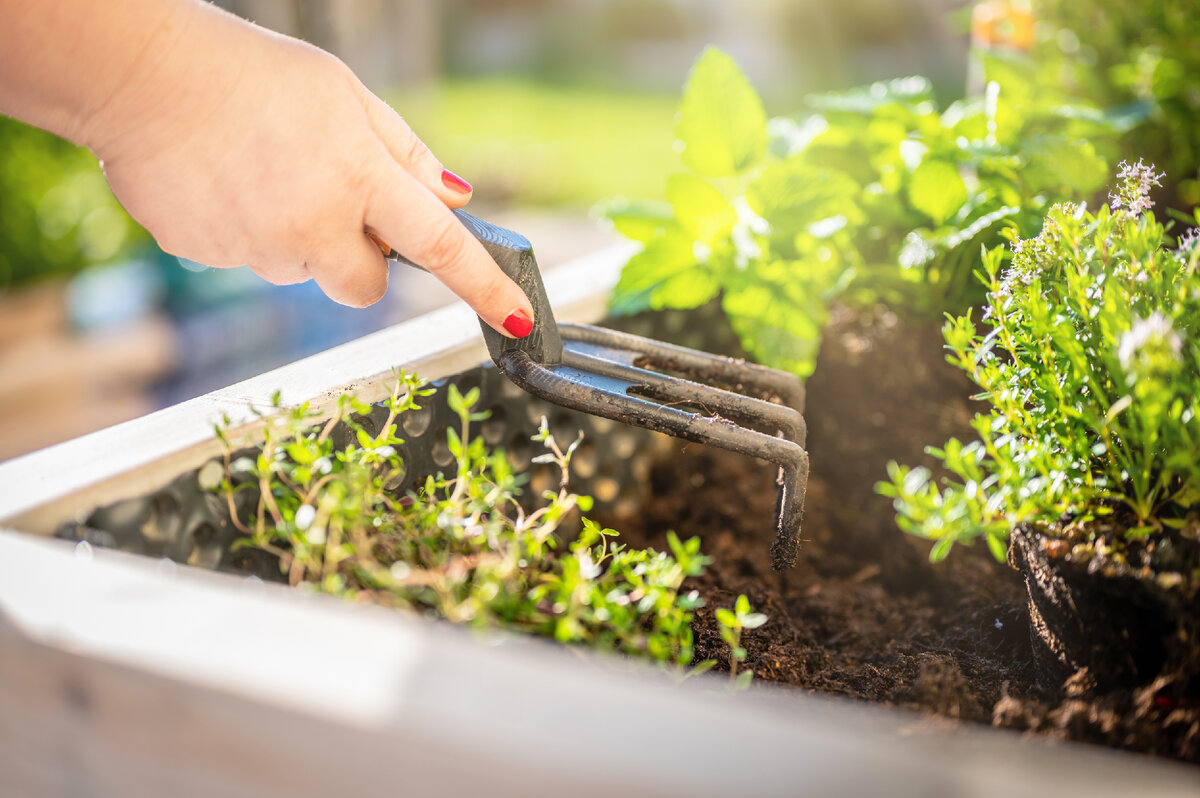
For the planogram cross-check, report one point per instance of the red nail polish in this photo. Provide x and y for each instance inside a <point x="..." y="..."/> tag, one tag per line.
<point x="455" y="183"/>
<point x="518" y="323"/>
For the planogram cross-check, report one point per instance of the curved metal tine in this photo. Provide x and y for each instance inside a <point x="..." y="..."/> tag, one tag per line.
<point x="559" y="388"/>
<point x="762" y="381"/>
<point x="714" y="401"/>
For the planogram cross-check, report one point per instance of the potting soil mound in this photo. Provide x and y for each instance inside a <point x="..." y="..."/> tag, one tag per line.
<point x="865" y="614"/>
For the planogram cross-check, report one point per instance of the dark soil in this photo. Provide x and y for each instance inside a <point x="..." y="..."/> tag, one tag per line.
<point x="864" y="614"/>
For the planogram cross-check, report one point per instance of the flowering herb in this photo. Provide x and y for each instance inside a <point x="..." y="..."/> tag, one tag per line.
<point x="1088" y="360"/>
<point x="1133" y="189"/>
<point x="461" y="547"/>
<point x="873" y="194"/>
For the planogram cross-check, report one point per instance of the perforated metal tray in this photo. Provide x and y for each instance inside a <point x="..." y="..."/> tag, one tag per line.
<point x="187" y="523"/>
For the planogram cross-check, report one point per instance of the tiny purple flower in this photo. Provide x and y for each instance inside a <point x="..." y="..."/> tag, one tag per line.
<point x="1133" y="190"/>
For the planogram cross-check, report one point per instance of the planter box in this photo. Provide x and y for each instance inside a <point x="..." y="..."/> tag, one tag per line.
<point x="129" y="675"/>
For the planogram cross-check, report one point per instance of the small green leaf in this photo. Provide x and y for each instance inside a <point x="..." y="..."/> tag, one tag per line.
<point x="753" y="620"/>
<point x="941" y="548"/>
<point x="998" y="546"/>
<point x="455" y="401"/>
<point x="721" y="122"/>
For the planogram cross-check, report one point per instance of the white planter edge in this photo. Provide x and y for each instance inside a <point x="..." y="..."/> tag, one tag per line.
<point x="120" y="675"/>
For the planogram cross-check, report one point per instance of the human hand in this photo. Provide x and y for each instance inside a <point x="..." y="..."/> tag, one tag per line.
<point x="246" y="147"/>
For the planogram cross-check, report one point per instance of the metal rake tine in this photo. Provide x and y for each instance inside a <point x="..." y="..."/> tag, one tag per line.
<point x="715" y="401"/>
<point x="750" y="378"/>
<point x="558" y="386"/>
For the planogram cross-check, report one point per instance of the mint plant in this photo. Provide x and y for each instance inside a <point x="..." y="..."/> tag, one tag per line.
<point x="461" y="547"/>
<point x="1088" y="359"/>
<point x="873" y="194"/>
<point x="731" y="624"/>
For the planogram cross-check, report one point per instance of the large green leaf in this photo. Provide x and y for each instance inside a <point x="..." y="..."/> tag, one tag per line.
<point x="688" y="289"/>
<point x="779" y="309"/>
<point x="909" y="91"/>
<point x="793" y="194"/>
<point x="642" y="221"/>
<point x="1068" y="168"/>
<point x="937" y="190"/>
<point x="664" y="258"/>
<point x="721" y="122"/>
<point x="700" y="208"/>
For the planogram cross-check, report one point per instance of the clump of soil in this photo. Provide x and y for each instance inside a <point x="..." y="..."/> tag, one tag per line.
<point x="864" y="614"/>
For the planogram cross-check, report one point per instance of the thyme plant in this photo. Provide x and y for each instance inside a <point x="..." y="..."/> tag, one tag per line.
<point x="461" y="547"/>
<point x="1088" y="356"/>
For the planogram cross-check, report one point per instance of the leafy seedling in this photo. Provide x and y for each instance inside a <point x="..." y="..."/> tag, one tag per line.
<point x="731" y="624"/>
<point x="460" y="547"/>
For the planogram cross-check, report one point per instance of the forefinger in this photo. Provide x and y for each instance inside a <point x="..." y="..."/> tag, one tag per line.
<point x="418" y="225"/>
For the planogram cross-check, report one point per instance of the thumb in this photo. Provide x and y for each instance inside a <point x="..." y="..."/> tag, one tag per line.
<point x="402" y="212"/>
<point x="411" y="153"/>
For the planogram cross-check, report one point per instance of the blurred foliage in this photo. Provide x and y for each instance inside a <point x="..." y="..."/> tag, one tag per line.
<point x="535" y="144"/>
<point x="57" y="214"/>
<point x="873" y="193"/>
<point x="516" y="141"/>
<point x="1121" y="52"/>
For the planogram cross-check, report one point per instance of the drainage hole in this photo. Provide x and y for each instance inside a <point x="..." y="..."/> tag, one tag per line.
<point x="416" y="422"/>
<point x="545" y="478"/>
<point x="606" y="489"/>
<point x="440" y="451"/>
<point x="397" y="479"/>
<point x="520" y="450"/>
<point x="494" y="426"/>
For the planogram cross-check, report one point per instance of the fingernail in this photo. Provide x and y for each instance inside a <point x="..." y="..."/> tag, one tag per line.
<point x="379" y="242"/>
<point x="455" y="183"/>
<point x="518" y="323"/>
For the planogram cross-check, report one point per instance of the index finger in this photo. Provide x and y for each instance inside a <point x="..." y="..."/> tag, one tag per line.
<point x="404" y="213"/>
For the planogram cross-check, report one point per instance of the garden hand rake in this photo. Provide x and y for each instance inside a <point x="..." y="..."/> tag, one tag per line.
<point x="756" y="410"/>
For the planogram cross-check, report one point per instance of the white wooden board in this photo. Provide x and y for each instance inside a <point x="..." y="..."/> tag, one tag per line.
<point x="123" y="676"/>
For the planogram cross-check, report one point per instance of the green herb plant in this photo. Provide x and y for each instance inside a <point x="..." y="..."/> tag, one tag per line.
<point x="1088" y="356"/>
<point x="873" y="194"/>
<point x="461" y="547"/>
<point x="731" y="624"/>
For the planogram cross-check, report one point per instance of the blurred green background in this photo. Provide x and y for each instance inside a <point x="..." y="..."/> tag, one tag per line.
<point x="548" y="107"/>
